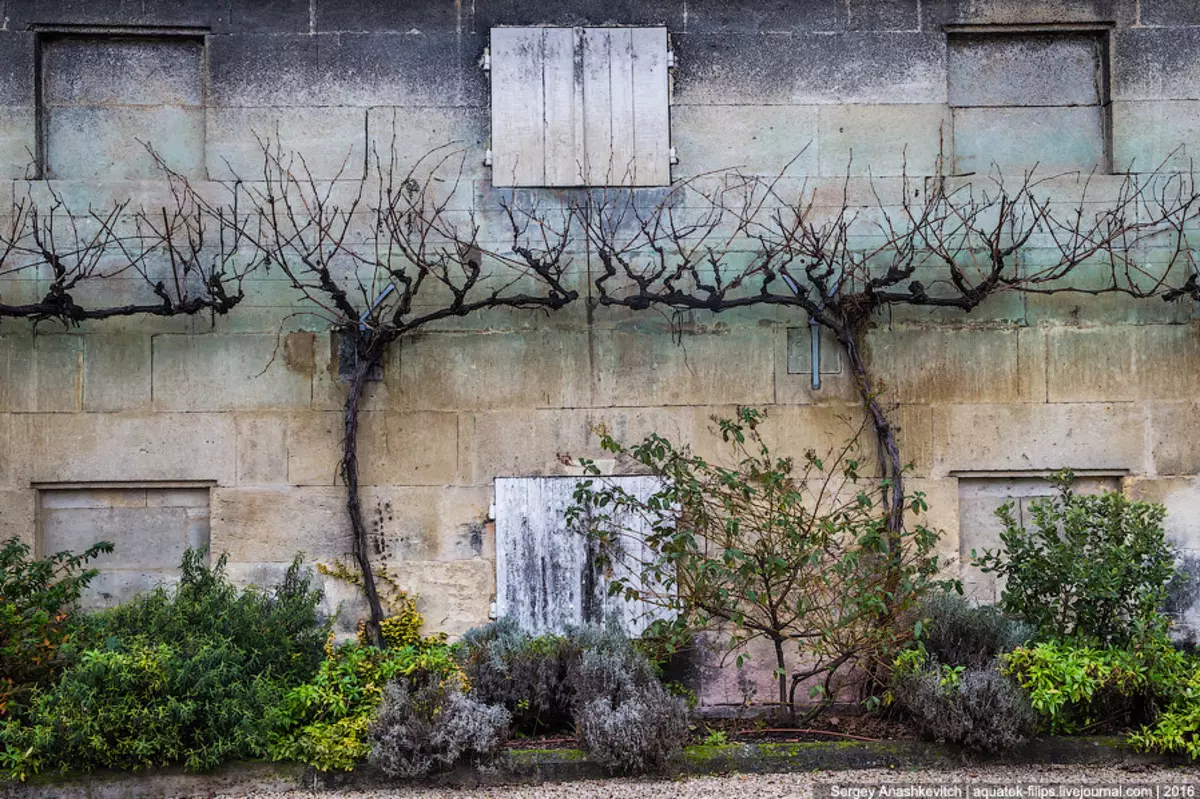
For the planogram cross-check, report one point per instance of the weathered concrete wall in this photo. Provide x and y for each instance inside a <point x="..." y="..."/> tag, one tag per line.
<point x="251" y="402"/>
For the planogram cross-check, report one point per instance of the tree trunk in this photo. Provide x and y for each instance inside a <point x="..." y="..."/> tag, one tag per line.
<point x="782" y="674"/>
<point x="367" y="361"/>
<point x="891" y="467"/>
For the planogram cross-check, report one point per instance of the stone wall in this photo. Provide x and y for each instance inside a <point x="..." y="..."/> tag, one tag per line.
<point x="251" y="404"/>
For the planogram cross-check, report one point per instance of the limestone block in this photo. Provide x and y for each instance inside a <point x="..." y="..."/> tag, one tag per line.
<point x="517" y="443"/>
<point x="793" y="374"/>
<point x="17" y="61"/>
<point x="56" y="381"/>
<point x="408" y="68"/>
<point x="428" y="136"/>
<point x="412" y="448"/>
<point x="116" y="587"/>
<point x="1174" y="431"/>
<point x="18" y="142"/>
<point x="1032" y="359"/>
<point x="810" y="68"/>
<point x="1181" y="496"/>
<point x="228" y="372"/>
<point x="1155" y="134"/>
<point x="1122" y="363"/>
<point x="1017" y="12"/>
<point x="723" y="367"/>
<point x="1156" y="63"/>
<point x="273" y="524"/>
<point x="101" y="71"/>
<point x="445" y="371"/>
<point x="756" y="139"/>
<point x="1060" y="139"/>
<point x="1170" y="12"/>
<point x="715" y="16"/>
<point x="145" y="539"/>
<point x="1038" y="436"/>
<point x="262" y="453"/>
<point x="97" y="143"/>
<point x="454" y="596"/>
<point x="883" y="140"/>
<point x="1032" y="70"/>
<point x="942" y="517"/>
<point x="128" y="447"/>
<point x="885" y="15"/>
<point x="330" y="139"/>
<point x="12" y="464"/>
<point x="941" y="366"/>
<point x="432" y="523"/>
<point x="116" y="372"/>
<point x="17" y="509"/>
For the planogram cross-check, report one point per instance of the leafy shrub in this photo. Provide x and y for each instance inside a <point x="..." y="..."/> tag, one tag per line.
<point x="148" y="705"/>
<point x="1093" y="567"/>
<point x="758" y="546"/>
<point x="976" y="707"/>
<point x="1177" y="729"/>
<point x="190" y="676"/>
<point x="591" y="678"/>
<point x="427" y="725"/>
<point x="955" y="633"/>
<point x="1076" y="688"/>
<point x="324" y="722"/>
<point x="280" y="630"/>
<point x="36" y="599"/>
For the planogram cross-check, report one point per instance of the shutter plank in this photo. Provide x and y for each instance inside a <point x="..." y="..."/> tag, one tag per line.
<point x="597" y="105"/>
<point x="651" y="107"/>
<point x="623" y="165"/>
<point x="518" y="108"/>
<point x="564" y="147"/>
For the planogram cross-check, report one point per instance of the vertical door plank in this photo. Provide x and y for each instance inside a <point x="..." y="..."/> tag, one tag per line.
<point x="563" y="149"/>
<point x="597" y="105"/>
<point x="651" y="107"/>
<point x="623" y="166"/>
<point x="518" y="108"/>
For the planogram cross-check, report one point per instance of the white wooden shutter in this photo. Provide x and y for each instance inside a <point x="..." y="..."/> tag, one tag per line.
<point x="580" y="107"/>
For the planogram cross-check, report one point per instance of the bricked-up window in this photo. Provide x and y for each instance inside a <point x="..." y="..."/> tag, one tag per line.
<point x="979" y="528"/>
<point x="150" y="526"/>
<point x="1020" y="99"/>
<point x="99" y="95"/>
<point x="580" y="107"/>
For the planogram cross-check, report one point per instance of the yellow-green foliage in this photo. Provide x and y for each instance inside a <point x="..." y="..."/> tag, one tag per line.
<point x="1077" y="688"/>
<point x="403" y="626"/>
<point x="324" y="722"/>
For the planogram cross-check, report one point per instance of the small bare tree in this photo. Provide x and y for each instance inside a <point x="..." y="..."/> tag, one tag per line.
<point x="727" y="241"/>
<point x="382" y="256"/>
<point x="175" y="259"/>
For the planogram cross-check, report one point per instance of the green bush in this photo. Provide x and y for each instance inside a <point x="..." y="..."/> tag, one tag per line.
<point x="37" y="597"/>
<point x="279" y="631"/>
<point x="187" y="677"/>
<point x="148" y="705"/>
<point x="1092" y="567"/>
<point x="325" y="721"/>
<point x="1081" y="689"/>
<point x="1177" y="728"/>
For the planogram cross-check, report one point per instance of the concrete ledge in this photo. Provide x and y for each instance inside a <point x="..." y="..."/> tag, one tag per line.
<point x="533" y="766"/>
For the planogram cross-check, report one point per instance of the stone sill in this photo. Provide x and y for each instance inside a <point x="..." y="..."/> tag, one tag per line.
<point x="533" y="766"/>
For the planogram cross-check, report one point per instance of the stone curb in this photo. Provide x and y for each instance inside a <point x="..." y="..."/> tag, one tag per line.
<point x="531" y="766"/>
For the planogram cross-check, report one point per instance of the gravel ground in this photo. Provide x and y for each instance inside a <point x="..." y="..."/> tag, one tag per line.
<point x="800" y="786"/>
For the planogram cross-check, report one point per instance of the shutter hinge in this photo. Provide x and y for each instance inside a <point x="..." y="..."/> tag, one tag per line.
<point x="487" y="157"/>
<point x="673" y="155"/>
<point x="670" y="59"/>
<point x="486" y="62"/>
